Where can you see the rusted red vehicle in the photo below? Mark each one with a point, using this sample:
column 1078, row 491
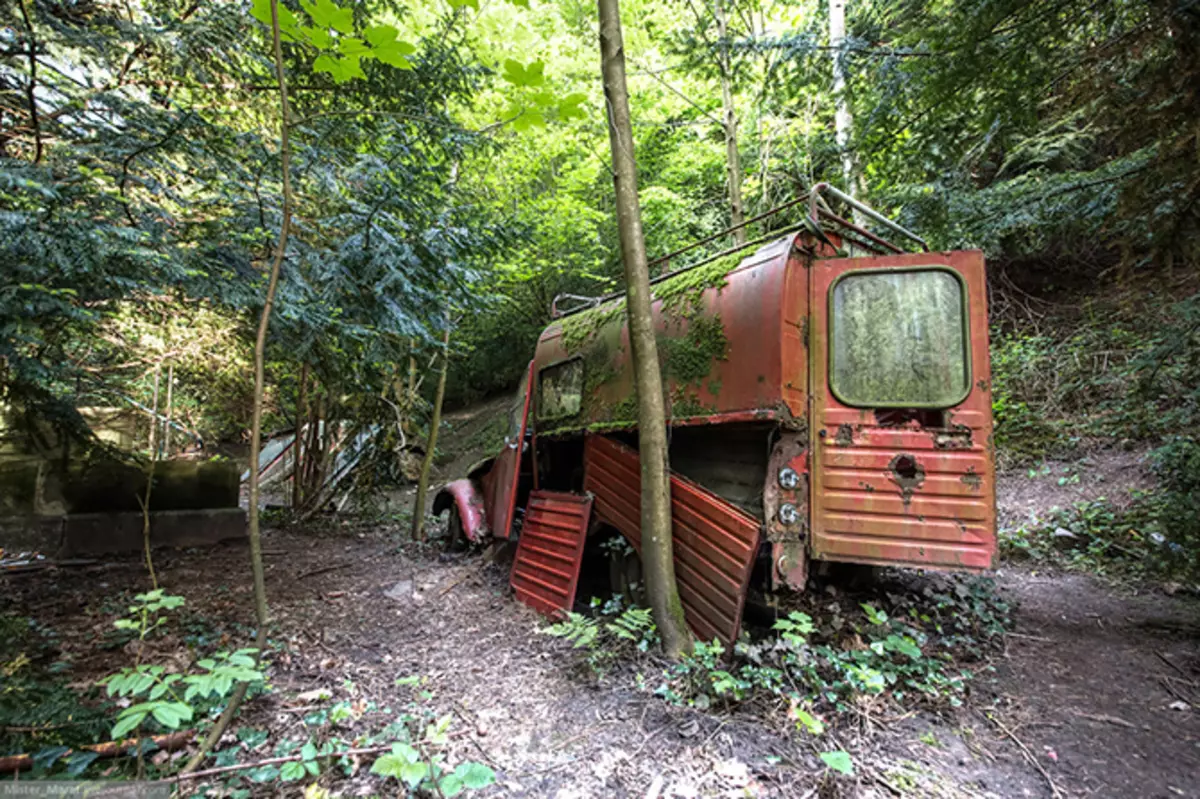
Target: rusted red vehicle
column 828, row 400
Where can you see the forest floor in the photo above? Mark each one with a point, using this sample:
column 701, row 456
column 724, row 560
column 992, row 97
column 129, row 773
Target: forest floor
column 1096, row 691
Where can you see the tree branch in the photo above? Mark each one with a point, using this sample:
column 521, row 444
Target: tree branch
column 31, row 87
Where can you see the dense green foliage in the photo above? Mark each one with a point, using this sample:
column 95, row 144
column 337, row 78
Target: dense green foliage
column 459, row 170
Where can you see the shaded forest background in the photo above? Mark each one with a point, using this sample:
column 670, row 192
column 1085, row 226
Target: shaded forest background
column 466, row 182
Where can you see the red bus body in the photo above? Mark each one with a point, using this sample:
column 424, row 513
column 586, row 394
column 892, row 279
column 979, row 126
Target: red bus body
column 772, row 471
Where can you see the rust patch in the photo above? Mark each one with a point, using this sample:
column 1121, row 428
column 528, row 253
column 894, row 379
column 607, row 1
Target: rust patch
column 845, row 436
column 972, row 479
column 908, row 474
column 959, row 436
column 983, row 385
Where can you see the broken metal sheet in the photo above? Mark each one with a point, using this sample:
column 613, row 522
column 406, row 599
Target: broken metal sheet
column 714, row 541
column 545, row 569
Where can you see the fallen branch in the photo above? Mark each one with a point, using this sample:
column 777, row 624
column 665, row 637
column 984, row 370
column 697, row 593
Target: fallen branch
column 1107, row 719
column 1172, row 664
column 174, row 740
column 324, row 569
column 1055, row 791
column 274, row 761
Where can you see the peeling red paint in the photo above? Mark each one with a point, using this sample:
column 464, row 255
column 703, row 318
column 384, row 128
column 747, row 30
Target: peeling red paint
column 908, row 494
column 545, row 570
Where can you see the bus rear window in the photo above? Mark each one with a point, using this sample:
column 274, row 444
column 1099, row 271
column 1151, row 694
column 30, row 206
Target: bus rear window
column 898, row 339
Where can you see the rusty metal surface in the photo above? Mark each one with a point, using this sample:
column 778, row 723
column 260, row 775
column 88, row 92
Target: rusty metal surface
column 467, row 498
column 789, row 540
column 545, row 569
column 906, row 493
column 714, row 541
column 753, row 380
column 500, row 484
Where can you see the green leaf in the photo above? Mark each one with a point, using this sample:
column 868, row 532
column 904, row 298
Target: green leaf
column 475, row 775
column 172, row 714
column 340, row 69
column 450, row 785
column 519, row 75
column 388, row 766
column 464, row 4
column 128, row 721
column 569, row 106
column 290, row 772
column 839, row 761
column 808, row 721
column 318, row 37
column 78, row 763
column 413, row 773
column 520, row 3
column 308, row 751
column 351, row 46
column 379, row 35
column 394, row 54
column 327, row 14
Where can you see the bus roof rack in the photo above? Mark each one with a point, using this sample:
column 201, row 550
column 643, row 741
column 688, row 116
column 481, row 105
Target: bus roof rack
column 818, row 212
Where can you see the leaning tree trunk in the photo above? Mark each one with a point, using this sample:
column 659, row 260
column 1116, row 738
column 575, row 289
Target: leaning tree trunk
column 657, row 551
column 260, row 348
column 418, row 528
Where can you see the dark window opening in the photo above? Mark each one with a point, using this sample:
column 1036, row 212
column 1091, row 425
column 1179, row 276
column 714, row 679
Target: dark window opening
column 910, row 417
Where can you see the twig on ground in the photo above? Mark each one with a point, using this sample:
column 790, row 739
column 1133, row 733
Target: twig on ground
column 1055, row 791
column 472, row 738
column 272, row 761
column 323, row 569
column 1173, row 692
column 1172, row 664
column 645, row 741
column 1105, row 718
column 1030, row 637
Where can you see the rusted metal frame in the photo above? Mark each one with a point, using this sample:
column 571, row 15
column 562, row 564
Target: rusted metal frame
column 511, row 500
column 884, row 243
column 824, row 188
column 584, row 304
column 666, row 258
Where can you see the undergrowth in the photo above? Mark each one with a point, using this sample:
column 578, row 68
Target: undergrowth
column 906, row 648
column 1125, row 369
column 1155, row 535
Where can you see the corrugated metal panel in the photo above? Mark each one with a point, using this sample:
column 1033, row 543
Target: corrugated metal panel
column 864, row 510
column 714, row 542
column 546, row 567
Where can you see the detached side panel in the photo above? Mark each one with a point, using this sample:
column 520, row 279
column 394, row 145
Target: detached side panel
column 714, row 541
column 545, row 570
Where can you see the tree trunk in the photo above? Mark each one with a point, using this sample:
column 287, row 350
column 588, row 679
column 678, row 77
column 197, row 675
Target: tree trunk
column 165, row 450
column 298, row 440
column 657, row 551
column 729, row 121
column 418, row 529
column 841, row 118
column 254, row 533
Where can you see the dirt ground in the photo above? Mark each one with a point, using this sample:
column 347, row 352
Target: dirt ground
column 1097, row 693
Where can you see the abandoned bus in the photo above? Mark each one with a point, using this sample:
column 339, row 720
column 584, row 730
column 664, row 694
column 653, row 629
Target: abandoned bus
column 828, row 400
